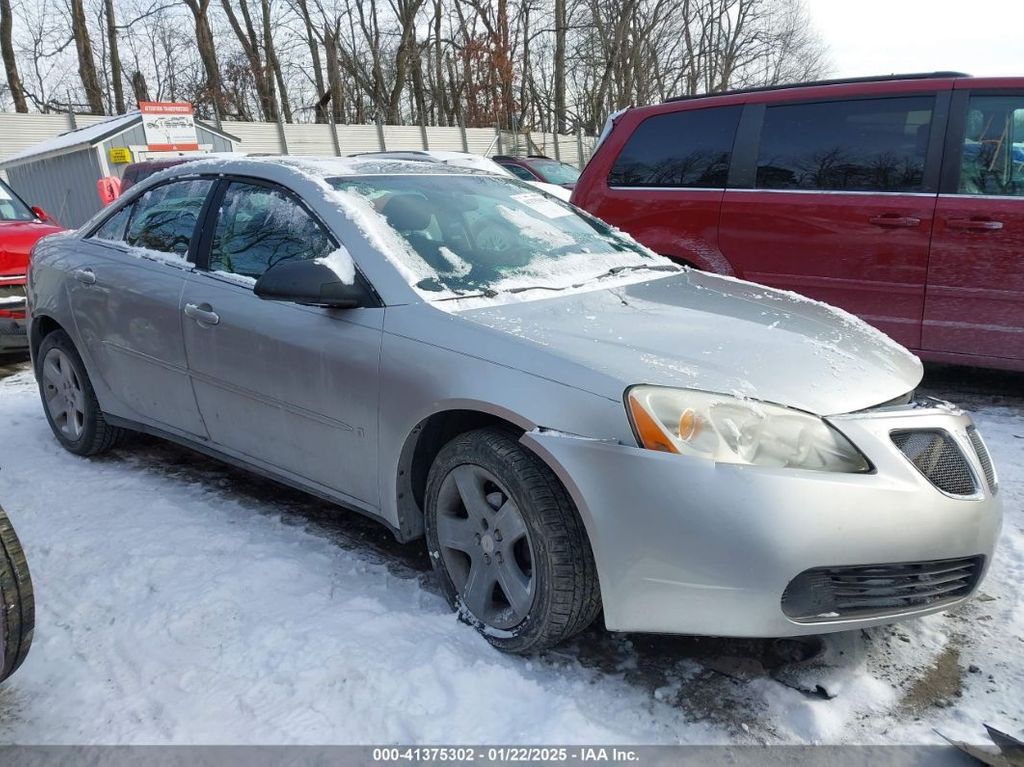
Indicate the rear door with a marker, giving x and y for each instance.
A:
(975, 303)
(125, 289)
(666, 184)
(291, 387)
(836, 200)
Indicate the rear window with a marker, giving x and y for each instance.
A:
(863, 145)
(689, 149)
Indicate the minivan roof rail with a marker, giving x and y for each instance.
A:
(840, 81)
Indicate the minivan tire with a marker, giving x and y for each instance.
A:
(564, 595)
(92, 435)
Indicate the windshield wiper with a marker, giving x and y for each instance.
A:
(631, 267)
(483, 294)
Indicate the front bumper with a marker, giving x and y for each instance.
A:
(13, 324)
(688, 546)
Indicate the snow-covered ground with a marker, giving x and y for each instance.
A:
(182, 601)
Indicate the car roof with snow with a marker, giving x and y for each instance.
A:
(324, 167)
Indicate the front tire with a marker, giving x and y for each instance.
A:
(17, 613)
(68, 399)
(507, 543)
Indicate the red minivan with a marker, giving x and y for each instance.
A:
(900, 199)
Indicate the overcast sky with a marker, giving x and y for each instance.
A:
(874, 37)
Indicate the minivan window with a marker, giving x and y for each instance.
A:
(867, 145)
(689, 149)
(992, 161)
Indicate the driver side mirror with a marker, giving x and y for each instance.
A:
(42, 215)
(310, 284)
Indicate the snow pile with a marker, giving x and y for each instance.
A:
(340, 262)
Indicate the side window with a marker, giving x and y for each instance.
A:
(993, 154)
(691, 148)
(520, 172)
(113, 228)
(258, 226)
(867, 145)
(165, 217)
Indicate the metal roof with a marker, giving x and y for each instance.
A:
(90, 135)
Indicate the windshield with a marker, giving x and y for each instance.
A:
(555, 172)
(478, 234)
(12, 208)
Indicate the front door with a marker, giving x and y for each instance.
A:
(125, 293)
(291, 387)
(975, 302)
(840, 206)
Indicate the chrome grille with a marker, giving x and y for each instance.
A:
(860, 591)
(983, 458)
(937, 456)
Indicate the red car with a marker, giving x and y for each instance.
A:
(898, 198)
(20, 228)
(539, 167)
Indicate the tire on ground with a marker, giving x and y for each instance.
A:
(566, 594)
(97, 435)
(17, 613)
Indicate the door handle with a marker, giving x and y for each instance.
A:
(892, 220)
(974, 224)
(85, 276)
(202, 314)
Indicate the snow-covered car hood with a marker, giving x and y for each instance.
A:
(701, 331)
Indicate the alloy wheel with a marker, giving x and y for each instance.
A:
(64, 394)
(485, 546)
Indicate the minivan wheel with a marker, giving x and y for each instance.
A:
(69, 400)
(507, 543)
(17, 613)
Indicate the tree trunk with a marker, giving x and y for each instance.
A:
(314, 53)
(115, 57)
(86, 63)
(139, 87)
(334, 74)
(250, 46)
(272, 63)
(10, 64)
(559, 66)
(207, 52)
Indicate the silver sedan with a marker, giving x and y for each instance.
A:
(573, 423)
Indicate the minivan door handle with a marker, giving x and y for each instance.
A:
(893, 220)
(974, 224)
(203, 314)
(85, 276)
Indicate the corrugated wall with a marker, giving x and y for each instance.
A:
(20, 131)
(65, 185)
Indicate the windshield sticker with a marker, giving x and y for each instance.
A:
(541, 204)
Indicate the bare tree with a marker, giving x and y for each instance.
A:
(86, 63)
(10, 61)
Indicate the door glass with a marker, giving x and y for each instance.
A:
(993, 155)
(165, 217)
(258, 226)
(112, 229)
(680, 149)
(867, 145)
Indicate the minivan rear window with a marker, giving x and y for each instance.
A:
(689, 149)
(859, 145)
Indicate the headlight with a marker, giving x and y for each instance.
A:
(732, 430)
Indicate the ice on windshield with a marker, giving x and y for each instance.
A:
(466, 235)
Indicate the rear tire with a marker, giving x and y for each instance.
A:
(17, 614)
(514, 559)
(69, 401)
